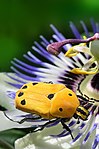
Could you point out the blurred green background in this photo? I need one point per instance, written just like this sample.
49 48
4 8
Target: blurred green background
22 21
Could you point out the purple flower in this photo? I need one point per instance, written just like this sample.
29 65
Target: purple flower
40 65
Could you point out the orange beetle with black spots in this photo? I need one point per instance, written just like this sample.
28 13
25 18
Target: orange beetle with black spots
50 101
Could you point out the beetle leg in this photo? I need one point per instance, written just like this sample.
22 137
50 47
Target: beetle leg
22 120
27 119
41 127
66 127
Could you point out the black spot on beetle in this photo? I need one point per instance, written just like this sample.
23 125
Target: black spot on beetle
50 82
34 83
23 102
20 94
50 96
60 109
70 94
24 87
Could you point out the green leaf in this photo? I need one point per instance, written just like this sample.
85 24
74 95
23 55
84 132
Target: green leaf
5 145
8 137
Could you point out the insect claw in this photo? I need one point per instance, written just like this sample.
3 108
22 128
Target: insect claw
78 121
72 136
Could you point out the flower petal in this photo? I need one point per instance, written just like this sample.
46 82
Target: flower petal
47 67
4 87
44 140
5 123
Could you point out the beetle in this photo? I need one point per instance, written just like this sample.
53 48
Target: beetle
50 101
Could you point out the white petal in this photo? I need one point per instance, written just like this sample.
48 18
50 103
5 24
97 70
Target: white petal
4 87
42 140
5 123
